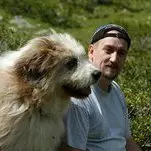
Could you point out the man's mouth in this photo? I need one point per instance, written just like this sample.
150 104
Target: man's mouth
112 66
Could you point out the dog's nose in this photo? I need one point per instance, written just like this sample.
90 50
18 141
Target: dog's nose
96 74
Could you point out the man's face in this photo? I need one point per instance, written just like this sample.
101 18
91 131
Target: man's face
109 54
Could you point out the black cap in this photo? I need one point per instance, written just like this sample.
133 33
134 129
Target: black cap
101 33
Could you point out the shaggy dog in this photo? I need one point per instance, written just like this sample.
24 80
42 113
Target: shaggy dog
36 83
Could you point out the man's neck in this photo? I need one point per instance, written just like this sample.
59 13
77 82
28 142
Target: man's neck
104 84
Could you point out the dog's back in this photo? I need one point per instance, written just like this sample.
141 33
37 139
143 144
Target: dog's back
24 127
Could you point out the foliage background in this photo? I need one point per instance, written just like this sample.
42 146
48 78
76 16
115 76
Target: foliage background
80 18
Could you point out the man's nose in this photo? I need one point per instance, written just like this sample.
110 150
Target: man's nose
114 57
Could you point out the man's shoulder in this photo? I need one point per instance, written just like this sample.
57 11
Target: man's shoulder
118 91
115 85
86 103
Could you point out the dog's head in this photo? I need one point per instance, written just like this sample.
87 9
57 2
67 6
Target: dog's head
56 64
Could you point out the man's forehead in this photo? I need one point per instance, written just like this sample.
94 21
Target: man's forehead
114 42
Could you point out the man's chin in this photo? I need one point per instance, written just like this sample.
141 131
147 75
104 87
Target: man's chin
110 77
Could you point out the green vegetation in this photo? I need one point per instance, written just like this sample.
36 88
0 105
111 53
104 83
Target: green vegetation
80 18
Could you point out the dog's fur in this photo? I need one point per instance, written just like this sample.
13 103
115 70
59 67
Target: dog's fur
36 83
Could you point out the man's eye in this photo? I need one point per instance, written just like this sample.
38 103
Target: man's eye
108 50
72 63
121 53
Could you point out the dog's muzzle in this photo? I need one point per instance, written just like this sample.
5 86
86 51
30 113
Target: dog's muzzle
82 92
77 92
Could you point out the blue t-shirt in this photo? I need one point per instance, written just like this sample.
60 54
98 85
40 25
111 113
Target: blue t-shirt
99 122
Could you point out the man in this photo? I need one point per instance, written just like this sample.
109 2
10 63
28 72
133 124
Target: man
100 122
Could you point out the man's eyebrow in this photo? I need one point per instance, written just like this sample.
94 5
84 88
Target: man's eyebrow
109 46
123 49
112 47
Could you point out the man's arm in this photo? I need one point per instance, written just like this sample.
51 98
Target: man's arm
76 121
131 145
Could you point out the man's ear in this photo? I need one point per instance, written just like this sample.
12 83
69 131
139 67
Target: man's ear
90 52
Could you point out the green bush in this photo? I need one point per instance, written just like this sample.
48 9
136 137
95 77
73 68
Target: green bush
56 12
136 81
11 37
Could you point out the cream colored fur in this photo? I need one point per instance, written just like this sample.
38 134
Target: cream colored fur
32 94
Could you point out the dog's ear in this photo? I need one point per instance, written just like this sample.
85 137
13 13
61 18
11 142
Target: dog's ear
33 68
36 65
38 58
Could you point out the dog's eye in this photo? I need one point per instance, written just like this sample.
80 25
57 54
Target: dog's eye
72 63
